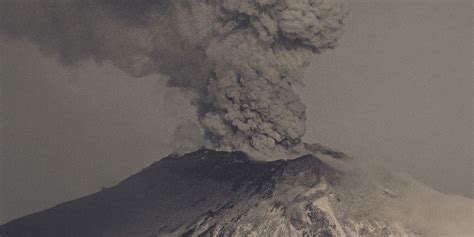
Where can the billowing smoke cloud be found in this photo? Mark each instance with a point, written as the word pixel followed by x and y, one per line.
pixel 240 58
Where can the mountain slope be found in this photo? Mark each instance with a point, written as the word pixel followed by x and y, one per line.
pixel 215 193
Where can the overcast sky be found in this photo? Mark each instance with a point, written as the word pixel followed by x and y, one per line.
pixel 397 89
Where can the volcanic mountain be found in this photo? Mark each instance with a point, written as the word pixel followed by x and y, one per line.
pixel 217 193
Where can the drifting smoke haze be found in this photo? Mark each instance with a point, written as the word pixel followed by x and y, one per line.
pixel 240 59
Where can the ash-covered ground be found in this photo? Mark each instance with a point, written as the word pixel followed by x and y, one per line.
pixel 217 193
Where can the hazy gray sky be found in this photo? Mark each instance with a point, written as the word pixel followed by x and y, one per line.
pixel 398 88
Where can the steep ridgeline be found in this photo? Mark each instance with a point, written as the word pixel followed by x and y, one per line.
pixel 212 193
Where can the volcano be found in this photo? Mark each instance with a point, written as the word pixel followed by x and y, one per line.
pixel 217 193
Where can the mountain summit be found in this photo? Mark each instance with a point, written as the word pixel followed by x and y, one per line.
pixel 216 193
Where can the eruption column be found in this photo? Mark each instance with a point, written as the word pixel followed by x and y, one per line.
pixel 241 58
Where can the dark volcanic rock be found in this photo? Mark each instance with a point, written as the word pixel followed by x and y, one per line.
pixel 203 193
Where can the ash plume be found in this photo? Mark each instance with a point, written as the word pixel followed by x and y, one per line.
pixel 240 58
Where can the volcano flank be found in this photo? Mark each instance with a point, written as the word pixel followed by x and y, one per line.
pixel 214 193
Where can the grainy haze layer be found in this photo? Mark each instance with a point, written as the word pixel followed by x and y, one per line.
pixel 241 58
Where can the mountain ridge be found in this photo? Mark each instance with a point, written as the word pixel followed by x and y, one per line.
pixel 219 193
pixel 227 171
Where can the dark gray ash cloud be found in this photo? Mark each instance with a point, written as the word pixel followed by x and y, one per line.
pixel 241 59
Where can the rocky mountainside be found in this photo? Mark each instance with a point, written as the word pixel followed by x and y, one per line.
pixel 215 193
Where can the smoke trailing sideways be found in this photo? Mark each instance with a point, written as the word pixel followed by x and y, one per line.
pixel 241 58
